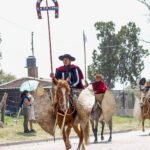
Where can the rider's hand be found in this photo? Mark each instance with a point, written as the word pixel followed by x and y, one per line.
pixel 73 86
pixel 68 79
pixel 52 75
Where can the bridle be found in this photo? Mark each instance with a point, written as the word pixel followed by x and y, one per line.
pixel 65 99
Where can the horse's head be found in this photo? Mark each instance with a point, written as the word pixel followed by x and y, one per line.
pixel 144 98
pixel 62 95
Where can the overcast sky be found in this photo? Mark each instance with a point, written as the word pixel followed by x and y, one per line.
pixel 18 19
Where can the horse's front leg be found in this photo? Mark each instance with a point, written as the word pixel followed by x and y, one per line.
pixel 96 130
pixel 80 135
pixel 68 130
pixel 102 131
pixel 93 129
pixel 143 129
pixel 110 128
pixel 64 137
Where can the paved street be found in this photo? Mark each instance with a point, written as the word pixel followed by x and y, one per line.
pixel 134 140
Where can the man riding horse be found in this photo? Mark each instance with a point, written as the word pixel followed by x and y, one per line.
pixel 144 85
pixel 69 72
pixel 99 87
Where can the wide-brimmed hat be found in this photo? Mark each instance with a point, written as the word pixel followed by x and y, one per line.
pixel 99 75
pixel 142 81
pixel 67 56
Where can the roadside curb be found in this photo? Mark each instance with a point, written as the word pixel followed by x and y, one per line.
pixel 58 138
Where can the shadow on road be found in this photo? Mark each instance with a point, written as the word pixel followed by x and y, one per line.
pixel 26 134
pixel 101 142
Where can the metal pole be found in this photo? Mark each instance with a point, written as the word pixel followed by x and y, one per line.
pixel 49 33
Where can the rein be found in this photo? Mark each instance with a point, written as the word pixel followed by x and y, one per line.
pixel 67 114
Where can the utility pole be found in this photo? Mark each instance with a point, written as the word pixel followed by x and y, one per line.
pixel 32 47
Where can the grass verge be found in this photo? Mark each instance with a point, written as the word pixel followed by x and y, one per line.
pixel 13 132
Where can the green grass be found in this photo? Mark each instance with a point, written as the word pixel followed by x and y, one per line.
pixel 13 132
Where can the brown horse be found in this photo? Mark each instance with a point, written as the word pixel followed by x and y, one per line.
pixel 145 107
pixel 66 114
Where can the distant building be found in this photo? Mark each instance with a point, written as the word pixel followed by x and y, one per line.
pixel 12 88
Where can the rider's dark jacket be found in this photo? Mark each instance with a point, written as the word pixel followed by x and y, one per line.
pixel 73 72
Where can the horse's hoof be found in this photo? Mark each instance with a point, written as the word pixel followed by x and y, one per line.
pixel 109 140
pixel 102 138
pixel 68 147
pixel 95 141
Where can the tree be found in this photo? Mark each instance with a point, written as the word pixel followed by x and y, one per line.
pixel 105 58
pixel 131 54
pixel 4 77
pixel 146 3
pixel 119 55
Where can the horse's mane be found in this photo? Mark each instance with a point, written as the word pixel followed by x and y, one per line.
pixel 90 89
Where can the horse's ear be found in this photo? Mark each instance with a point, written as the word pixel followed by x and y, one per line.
pixel 55 81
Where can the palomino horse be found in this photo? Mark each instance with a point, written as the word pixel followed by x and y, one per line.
pixel 145 107
pixel 65 110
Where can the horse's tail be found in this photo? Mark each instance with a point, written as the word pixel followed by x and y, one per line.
pixel 86 132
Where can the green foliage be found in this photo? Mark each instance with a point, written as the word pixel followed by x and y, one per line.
pixel 119 55
pixel 4 77
pixel 105 59
pixel 146 3
pixel 130 54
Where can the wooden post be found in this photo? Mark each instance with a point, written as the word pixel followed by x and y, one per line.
pixel 50 50
pixel 3 106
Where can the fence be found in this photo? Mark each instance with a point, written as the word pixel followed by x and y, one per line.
pixel 125 101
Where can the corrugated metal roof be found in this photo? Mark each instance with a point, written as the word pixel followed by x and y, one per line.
pixel 15 84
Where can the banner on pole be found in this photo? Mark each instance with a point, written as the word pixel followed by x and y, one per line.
pixel 39 8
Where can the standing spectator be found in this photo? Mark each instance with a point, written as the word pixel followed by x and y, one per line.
pixel 25 104
pixel 31 116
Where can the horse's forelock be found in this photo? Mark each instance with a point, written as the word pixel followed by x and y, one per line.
pixel 62 84
pixel 148 94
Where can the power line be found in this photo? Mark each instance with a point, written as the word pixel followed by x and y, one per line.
pixel 145 41
pixel 20 26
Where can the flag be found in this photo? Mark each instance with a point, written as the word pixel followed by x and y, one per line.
pixel 84 37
